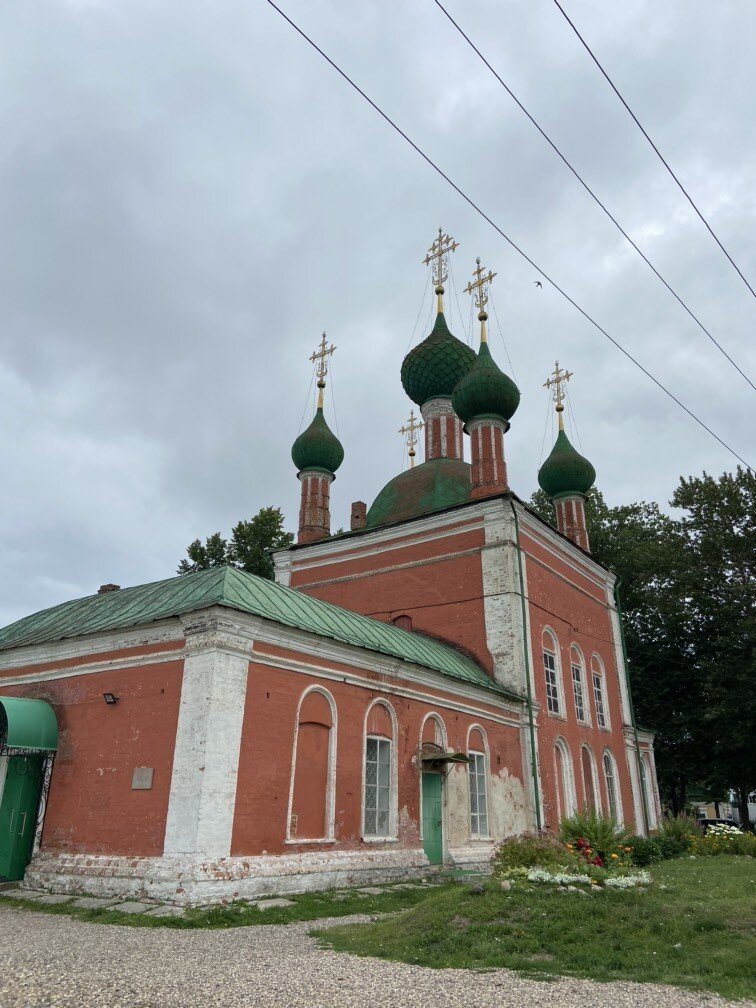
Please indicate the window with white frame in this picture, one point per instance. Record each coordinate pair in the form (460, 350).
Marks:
(478, 794)
(597, 678)
(578, 684)
(377, 786)
(551, 675)
(611, 787)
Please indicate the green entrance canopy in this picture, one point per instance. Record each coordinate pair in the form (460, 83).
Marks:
(27, 724)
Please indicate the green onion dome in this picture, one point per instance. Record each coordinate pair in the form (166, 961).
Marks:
(485, 391)
(565, 471)
(432, 486)
(317, 447)
(436, 365)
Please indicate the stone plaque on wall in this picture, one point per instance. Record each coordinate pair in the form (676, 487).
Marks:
(141, 779)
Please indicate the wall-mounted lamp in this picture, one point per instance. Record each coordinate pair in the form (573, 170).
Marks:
(110, 698)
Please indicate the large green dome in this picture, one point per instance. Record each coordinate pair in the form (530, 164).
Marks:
(565, 471)
(317, 447)
(432, 486)
(436, 365)
(485, 391)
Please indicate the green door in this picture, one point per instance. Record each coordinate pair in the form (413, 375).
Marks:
(18, 814)
(432, 835)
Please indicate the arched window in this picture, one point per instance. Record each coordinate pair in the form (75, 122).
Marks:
(380, 772)
(404, 622)
(598, 682)
(312, 788)
(579, 691)
(477, 750)
(648, 792)
(552, 673)
(611, 781)
(564, 780)
(433, 730)
(590, 783)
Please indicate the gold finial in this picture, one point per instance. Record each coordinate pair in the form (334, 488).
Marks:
(438, 258)
(558, 379)
(410, 429)
(320, 359)
(479, 290)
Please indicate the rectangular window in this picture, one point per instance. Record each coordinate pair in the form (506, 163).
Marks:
(552, 691)
(577, 687)
(377, 786)
(478, 797)
(598, 697)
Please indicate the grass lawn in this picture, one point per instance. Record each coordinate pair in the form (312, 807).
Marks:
(694, 927)
(307, 907)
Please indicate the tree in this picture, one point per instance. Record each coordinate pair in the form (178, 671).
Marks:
(250, 548)
(719, 581)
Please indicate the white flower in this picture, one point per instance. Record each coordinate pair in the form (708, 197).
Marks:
(555, 878)
(628, 881)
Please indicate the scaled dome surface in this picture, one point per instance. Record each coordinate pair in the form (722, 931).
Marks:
(565, 471)
(485, 391)
(431, 486)
(435, 366)
(317, 447)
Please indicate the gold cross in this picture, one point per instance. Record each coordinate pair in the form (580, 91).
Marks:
(410, 429)
(558, 379)
(320, 359)
(479, 287)
(438, 258)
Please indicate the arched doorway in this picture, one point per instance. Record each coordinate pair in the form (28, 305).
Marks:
(28, 741)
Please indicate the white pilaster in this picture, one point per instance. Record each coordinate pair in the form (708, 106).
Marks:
(208, 737)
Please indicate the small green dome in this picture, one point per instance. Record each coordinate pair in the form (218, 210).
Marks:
(317, 447)
(485, 391)
(436, 365)
(432, 486)
(565, 471)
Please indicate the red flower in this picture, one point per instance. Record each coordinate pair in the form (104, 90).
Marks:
(598, 862)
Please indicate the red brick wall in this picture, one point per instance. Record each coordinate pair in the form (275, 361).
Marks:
(91, 806)
(266, 756)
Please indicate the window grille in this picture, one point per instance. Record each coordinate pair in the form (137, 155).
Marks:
(577, 687)
(478, 794)
(552, 689)
(377, 786)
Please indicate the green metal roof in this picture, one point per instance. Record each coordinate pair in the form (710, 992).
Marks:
(423, 489)
(27, 724)
(434, 367)
(248, 593)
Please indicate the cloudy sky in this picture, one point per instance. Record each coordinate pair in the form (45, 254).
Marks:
(189, 196)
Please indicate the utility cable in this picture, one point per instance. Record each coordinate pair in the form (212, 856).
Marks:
(499, 231)
(592, 194)
(659, 154)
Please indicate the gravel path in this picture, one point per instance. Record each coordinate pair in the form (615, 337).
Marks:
(49, 960)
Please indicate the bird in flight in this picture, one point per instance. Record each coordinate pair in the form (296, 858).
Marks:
(538, 283)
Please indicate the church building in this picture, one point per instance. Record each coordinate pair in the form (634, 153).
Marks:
(447, 673)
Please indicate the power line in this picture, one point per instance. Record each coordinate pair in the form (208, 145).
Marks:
(659, 154)
(499, 231)
(591, 193)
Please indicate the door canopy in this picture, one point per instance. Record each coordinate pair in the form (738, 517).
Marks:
(29, 725)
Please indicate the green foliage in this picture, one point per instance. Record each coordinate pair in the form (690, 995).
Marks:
(691, 928)
(715, 845)
(675, 835)
(604, 836)
(643, 850)
(528, 851)
(250, 548)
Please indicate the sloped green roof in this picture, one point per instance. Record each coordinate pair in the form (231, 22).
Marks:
(245, 592)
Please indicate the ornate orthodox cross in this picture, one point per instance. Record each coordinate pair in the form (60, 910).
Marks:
(410, 429)
(479, 290)
(320, 359)
(558, 379)
(438, 259)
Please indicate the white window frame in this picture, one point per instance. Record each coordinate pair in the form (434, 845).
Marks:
(568, 779)
(383, 746)
(478, 780)
(577, 663)
(617, 815)
(391, 837)
(330, 835)
(550, 648)
(600, 699)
